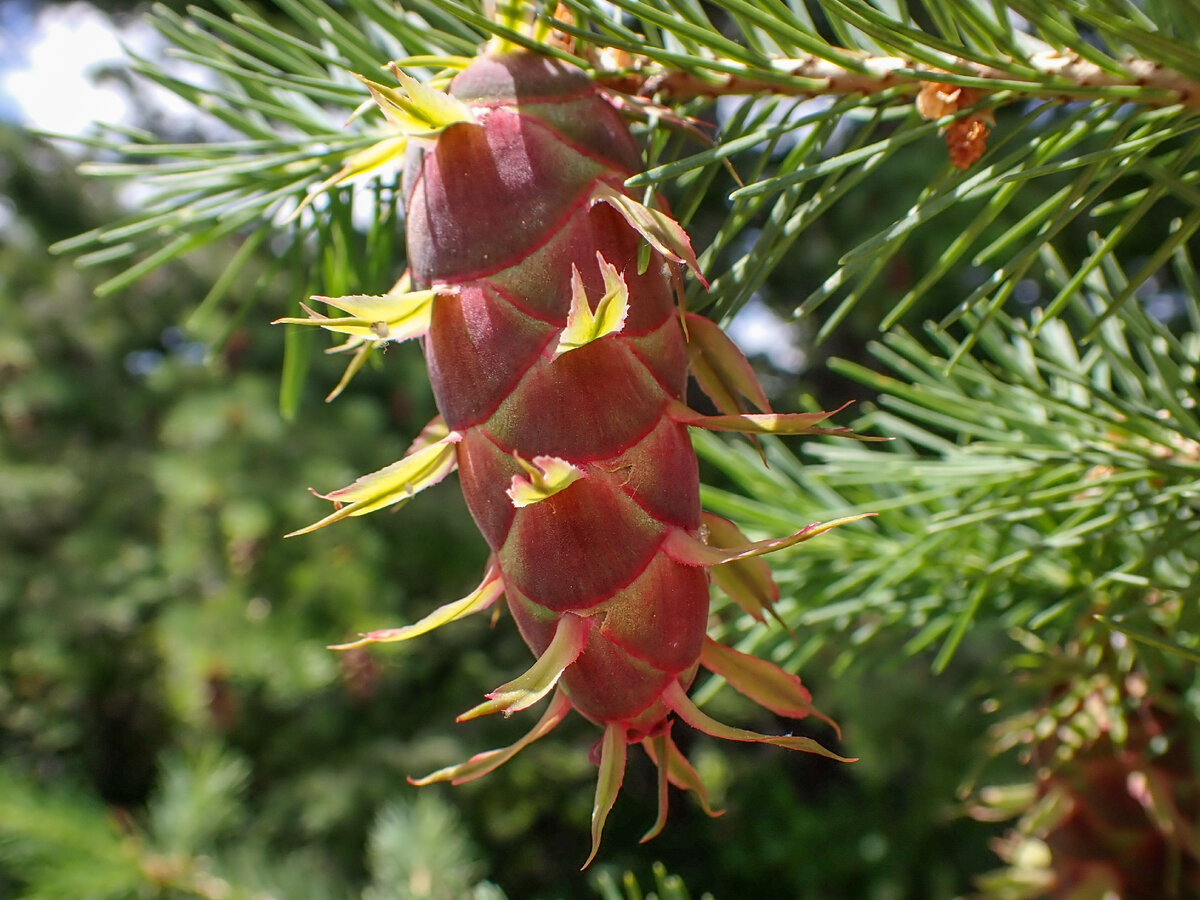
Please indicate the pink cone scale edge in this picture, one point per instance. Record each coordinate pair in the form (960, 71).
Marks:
(559, 368)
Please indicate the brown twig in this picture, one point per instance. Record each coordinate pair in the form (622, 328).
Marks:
(1055, 75)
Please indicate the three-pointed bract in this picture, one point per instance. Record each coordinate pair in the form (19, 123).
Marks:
(543, 478)
(584, 325)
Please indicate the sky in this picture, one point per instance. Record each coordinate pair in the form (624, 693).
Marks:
(52, 60)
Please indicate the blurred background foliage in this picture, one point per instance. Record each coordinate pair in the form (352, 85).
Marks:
(1015, 634)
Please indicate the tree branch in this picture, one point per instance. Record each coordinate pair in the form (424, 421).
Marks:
(1053, 75)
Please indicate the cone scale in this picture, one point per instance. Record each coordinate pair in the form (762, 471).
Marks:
(559, 366)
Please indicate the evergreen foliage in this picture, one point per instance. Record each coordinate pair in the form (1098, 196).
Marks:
(1023, 602)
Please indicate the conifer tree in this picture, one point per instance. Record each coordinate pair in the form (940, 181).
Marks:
(980, 213)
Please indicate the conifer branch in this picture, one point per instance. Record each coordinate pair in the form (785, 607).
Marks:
(1054, 76)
